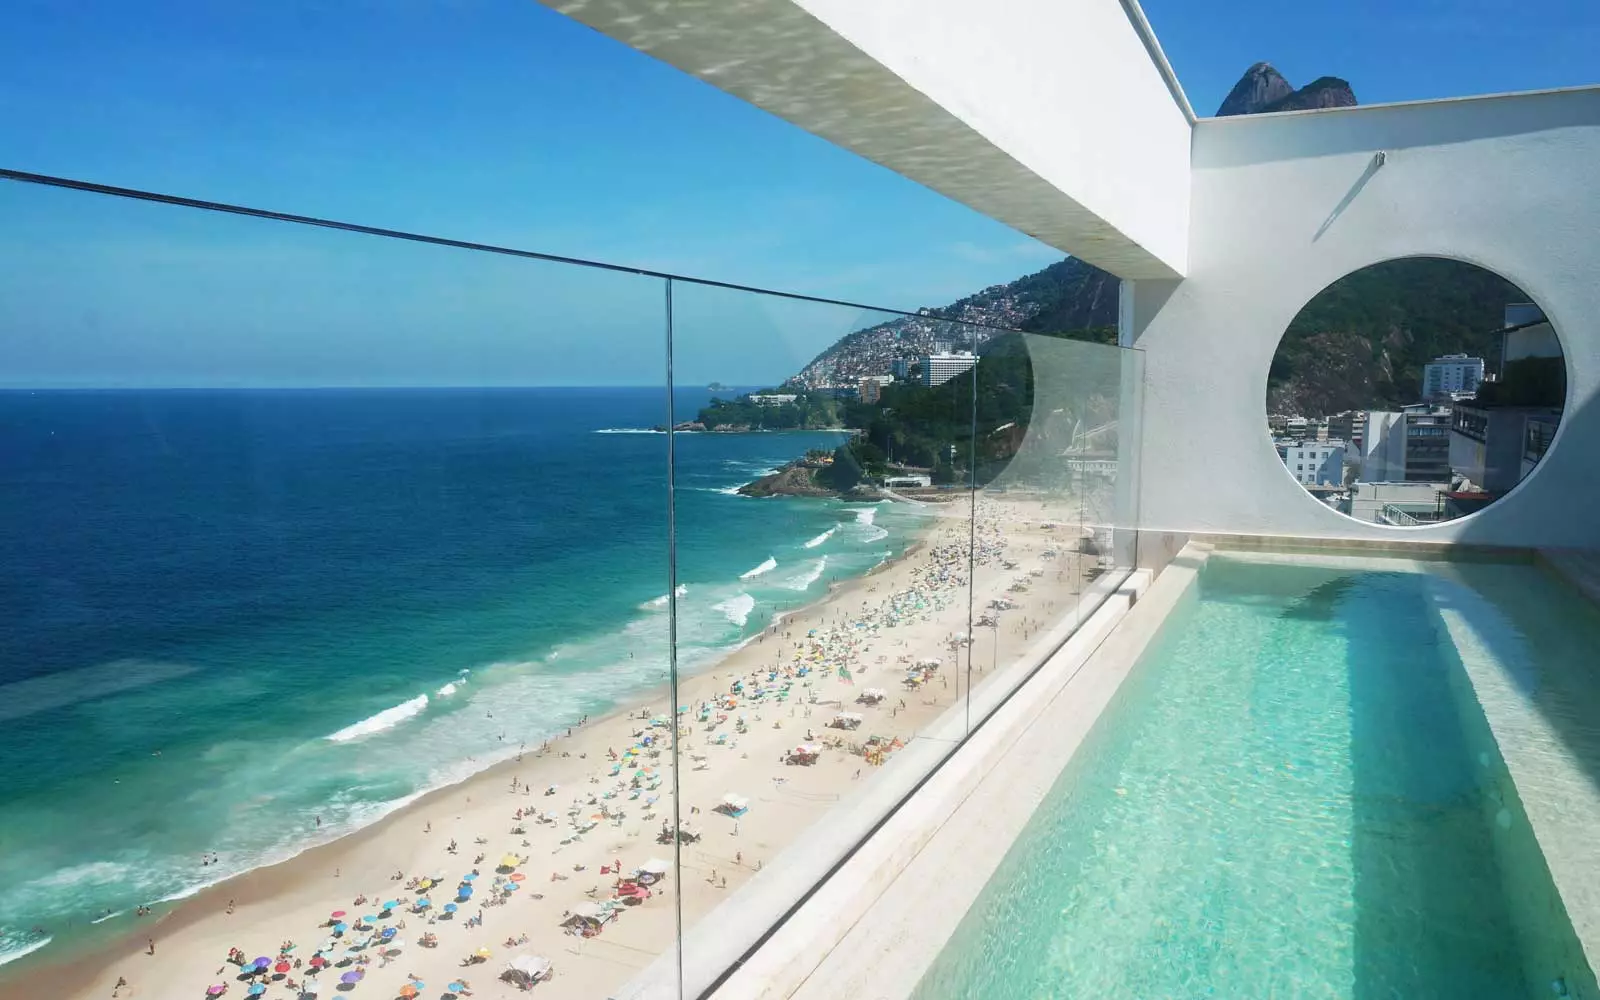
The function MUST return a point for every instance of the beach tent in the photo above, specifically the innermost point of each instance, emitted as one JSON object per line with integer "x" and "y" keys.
{"x": 653, "y": 871}
{"x": 846, "y": 720}
{"x": 733, "y": 805}
{"x": 871, "y": 696}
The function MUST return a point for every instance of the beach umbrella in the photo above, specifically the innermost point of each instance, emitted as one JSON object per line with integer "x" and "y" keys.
{"x": 256, "y": 990}
{"x": 336, "y": 914}
{"x": 470, "y": 877}
{"x": 466, "y": 892}
{"x": 408, "y": 991}
{"x": 369, "y": 920}
{"x": 317, "y": 961}
{"x": 216, "y": 990}
{"x": 340, "y": 928}
{"x": 449, "y": 907}
{"x": 282, "y": 967}
{"x": 517, "y": 876}
{"x": 353, "y": 976}
{"x": 510, "y": 861}
{"x": 391, "y": 904}
{"x": 423, "y": 903}
{"x": 262, "y": 962}
{"x": 426, "y": 883}
{"x": 389, "y": 932}
{"x": 512, "y": 886}
{"x": 456, "y": 987}
{"x": 483, "y": 953}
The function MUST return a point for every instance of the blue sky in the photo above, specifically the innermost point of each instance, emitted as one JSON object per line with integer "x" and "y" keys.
{"x": 502, "y": 122}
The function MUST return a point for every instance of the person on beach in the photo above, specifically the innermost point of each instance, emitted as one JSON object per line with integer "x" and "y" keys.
{"x": 151, "y": 948}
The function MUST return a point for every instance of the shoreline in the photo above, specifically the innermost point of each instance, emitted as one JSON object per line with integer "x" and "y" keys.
{"x": 281, "y": 900}
{"x": 73, "y": 969}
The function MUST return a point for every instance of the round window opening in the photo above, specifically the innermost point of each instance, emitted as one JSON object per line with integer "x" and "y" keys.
{"x": 1415, "y": 391}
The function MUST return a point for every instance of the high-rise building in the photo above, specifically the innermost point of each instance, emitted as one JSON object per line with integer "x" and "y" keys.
{"x": 1451, "y": 375}
{"x": 1427, "y": 444}
{"x": 1314, "y": 463}
{"x": 938, "y": 369}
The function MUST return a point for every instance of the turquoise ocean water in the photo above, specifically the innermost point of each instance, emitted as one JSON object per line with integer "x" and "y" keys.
{"x": 1295, "y": 794}
{"x": 228, "y": 613}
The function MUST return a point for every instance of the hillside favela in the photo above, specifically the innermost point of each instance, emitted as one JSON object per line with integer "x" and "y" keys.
{"x": 466, "y": 532}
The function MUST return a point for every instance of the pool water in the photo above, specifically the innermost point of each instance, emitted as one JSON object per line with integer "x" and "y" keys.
{"x": 1295, "y": 794}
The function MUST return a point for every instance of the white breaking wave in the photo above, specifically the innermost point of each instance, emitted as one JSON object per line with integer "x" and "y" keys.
{"x": 874, "y": 534}
{"x": 801, "y": 581}
{"x": 27, "y": 949}
{"x": 447, "y": 690}
{"x": 386, "y": 719}
{"x": 866, "y": 515}
{"x": 737, "y": 609}
{"x": 766, "y": 567}
{"x": 821, "y": 538}
{"x": 661, "y": 602}
{"x": 628, "y": 430}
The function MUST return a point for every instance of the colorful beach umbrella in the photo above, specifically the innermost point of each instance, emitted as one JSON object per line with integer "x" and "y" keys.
{"x": 256, "y": 990}
{"x": 317, "y": 962}
{"x": 340, "y": 928}
{"x": 408, "y": 991}
{"x": 353, "y": 976}
{"x": 449, "y": 907}
{"x": 510, "y": 861}
{"x": 517, "y": 876}
{"x": 336, "y": 914}
{"x": 456, "y": 987}
{"x": 216, "y": 990}
{"x": 262, "y": 962}
{"x": 470, "y": 877}
{"x": 466, "y": 892}
{"x": 282, "y": 967}
{"x": 423, "y": 903}
{"x": 389, "y": 932}
{"x": 391, "y": 904}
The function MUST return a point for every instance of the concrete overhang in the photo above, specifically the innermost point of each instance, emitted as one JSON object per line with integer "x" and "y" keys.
{"x": 1060, "y": 120}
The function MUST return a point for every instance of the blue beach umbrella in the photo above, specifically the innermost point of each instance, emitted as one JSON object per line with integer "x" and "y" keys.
{"x": 389, "y": 932}
{"x": 456, "y": 987}
{"x": 391, "y": 904}
{"x": 340, "y": 928}
{"x": 470, "y": 877}
{"x": 423, "y": 903}
{"x": 466, "y": 892}
{"x": 513, "y": 886}
{"x": 256, "y": 990}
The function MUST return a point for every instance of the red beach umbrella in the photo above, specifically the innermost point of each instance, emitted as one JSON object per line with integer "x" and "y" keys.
{"x": 282, "y": 967}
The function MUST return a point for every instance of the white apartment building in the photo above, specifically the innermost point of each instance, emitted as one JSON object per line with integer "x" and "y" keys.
{"x": 772, "y": 398}
{"x": 1451, "y": 374}
{"x": 1314, "y": 463}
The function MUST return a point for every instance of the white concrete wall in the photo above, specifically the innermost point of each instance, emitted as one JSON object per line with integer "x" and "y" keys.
{"x": 1284, "y": 205}
{"x": 1065, "y": 88}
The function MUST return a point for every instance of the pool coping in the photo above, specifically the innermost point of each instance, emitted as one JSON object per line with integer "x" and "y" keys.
{"x": 874, "y": 928}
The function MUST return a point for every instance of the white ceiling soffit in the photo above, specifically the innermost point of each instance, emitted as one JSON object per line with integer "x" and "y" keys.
{"x": 777, "y": 56}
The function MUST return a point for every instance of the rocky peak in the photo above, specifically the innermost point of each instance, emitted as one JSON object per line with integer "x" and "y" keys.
{"x": 1323, "y": 92}
{"x": 1260, "y": 87}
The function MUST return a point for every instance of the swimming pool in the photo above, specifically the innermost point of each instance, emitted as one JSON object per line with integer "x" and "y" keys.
{"x": 1296, "y": 793}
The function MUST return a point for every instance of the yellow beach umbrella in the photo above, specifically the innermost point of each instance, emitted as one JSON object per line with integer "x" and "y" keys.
{"x": 510, "y": 861}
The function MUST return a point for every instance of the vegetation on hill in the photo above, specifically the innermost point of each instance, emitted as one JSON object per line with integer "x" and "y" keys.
{"x": 809, "y": 411}
{"x": 1362, "y": 342}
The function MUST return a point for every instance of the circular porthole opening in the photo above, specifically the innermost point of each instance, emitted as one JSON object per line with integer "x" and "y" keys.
{"x": 1415, "y": 391}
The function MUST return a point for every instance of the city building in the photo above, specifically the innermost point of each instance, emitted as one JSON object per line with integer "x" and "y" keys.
{"x": 932, "y": 369}
{"x": 1314, "y": 463}
{"x": 772, "y": 398}
{"x": 1451, "y": 376}
{"x": 870, "y": 387}
{"x": 1527, "y": 334}
{"x": 1401, "y": 505}
{"x": 1427, "y": 444}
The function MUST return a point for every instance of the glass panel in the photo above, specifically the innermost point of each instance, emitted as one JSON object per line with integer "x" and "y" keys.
{"x": 811, "y": 590}
{"x": 305, "y": 532}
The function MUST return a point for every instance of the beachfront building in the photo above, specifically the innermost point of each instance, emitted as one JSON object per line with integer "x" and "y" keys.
{"x": 1065, "y": 121}
{"x": 1314, "y": 463}
{"x": 1130, "y": 721}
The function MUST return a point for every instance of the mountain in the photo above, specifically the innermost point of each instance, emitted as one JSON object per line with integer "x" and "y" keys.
{"x": 1068, "y": 298}
{"x": 1263, "y": 90}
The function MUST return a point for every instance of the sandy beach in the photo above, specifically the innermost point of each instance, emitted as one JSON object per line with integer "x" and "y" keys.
{"x": 572, "y": 812}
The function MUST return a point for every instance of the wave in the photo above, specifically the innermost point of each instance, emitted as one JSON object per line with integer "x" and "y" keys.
{"x": 108, "y": 916}
{"x": 386, "y": 719}
{"x": 821, "y": 538}
{"x": 447, "y": 690}
{"x": 866, "y": 515}
{"x": 13, "y": 954}
{"x": 661, "y": 602}
{"x": 874, "y": 534}
{"x": 737, "y": 609}
{"x": 631, "y": 430}
{"x": 801, "y": 581}
{"x": 766, "y": 567}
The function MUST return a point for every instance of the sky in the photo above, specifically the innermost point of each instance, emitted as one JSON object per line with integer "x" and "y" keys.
{"x": 500, "y": 121}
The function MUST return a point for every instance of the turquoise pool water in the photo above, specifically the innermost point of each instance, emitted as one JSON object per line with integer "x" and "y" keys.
{"x": 1295, "y": 794}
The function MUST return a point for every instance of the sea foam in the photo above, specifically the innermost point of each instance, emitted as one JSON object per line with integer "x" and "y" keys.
{"x": 802, "y": 580}
{"x": 661, "y": 602}
{"x": 737, "y": 609}
{"x": 821, "y": 538}
{"x": 386, "y": 719}
{"x": 866, "y": 515}
{"x": 12, "y": 954}
{"x": 766, "y": 567}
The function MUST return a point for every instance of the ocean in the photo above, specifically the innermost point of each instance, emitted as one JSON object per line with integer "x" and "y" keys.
{"x": 227, "y": 613}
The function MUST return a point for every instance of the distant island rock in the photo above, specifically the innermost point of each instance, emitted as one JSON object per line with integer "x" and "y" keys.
{"x": 1263, "y": 90}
